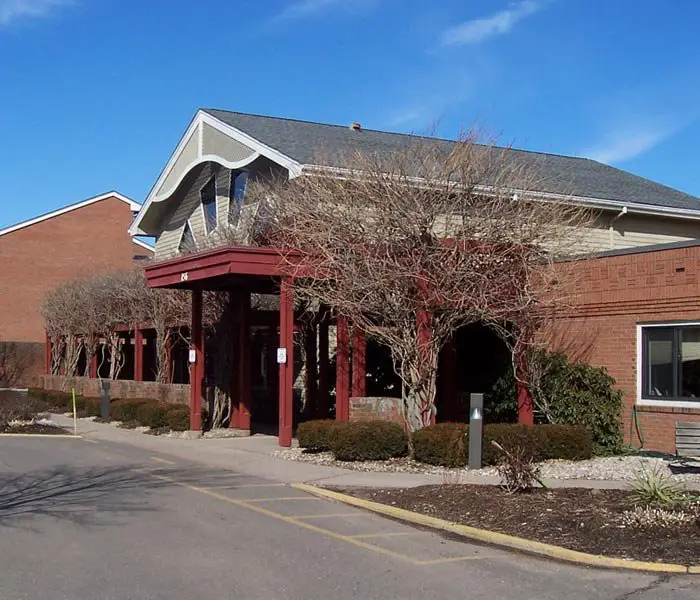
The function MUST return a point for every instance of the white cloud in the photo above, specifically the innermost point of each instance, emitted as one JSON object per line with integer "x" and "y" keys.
{"x": 500, "y": 23}
{"x": 13, "y": 10}
{"x": 627, "y": 143}
{"x": 303, "y": 9}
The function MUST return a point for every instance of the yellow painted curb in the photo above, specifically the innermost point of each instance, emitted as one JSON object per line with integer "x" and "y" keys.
{"x": 498, "y": 539}
{"x": 43, "y": 435}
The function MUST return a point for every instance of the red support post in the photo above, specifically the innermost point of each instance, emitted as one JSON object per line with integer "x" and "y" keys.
{"x": 359, "y": 363}
{"x": 138, "y": 354}
{"x": 311, "y": 372}
{"x": 243, "y": 357}
{"x": 196, "y": 367}
{"x": 526, "y": 411}
{"x": 92, "y": 368}
{"x": 286, "y": 367}
{"x": 342, "y": 371}
{"x": 424, "y": 335}
{"x": 167, "y": 367}
{"x": 47, "y": 355}
{"x": 323, "y": 368}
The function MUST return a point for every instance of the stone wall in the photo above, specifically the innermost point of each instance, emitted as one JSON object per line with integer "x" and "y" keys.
{"x": 369, "y": 409}
{"x": 173, "y": 393}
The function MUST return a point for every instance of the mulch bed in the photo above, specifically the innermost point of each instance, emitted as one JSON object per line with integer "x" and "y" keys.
{"x": 579, "y": 519}
{"x": 34, "y": 428}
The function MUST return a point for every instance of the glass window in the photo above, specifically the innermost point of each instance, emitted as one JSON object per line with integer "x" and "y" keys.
{"x": 239, "y": 180}
{"x": 671, "y": 357}
{"x": 187, "y": 243}
{"x": 208, "y": 196}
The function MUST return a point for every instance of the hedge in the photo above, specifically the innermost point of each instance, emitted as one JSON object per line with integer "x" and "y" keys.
{"x": 153, "y": 414}
{"x": 125, "y": 410}
{"x": 369, "y": 440}
{"x": 447, "y": 444}
{"x": 316, "y": 436}
{"x": 178, "y": 417}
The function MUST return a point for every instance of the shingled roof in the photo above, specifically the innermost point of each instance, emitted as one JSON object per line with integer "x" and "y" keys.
{"x": 305, "y": 141}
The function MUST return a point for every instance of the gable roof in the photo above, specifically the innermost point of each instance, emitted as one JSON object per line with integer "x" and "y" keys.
{"x": 133, "y": 205}
{"x": 305, "y": 141}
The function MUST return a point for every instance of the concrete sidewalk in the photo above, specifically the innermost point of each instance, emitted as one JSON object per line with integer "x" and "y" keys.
{"x": 253, "y": 456}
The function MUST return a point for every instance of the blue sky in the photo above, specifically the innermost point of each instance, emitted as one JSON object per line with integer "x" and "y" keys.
{"x": 94, "y": 94}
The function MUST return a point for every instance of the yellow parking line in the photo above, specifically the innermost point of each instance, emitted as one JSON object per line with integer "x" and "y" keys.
{"x": 330, "y": 516}
{"x": 392, "y": 534}
{"x": 452, "y": 559}
{"x": 280, "y": 517}
{"x": 281, "y": 498}
{"x": 246, "y": 485}
{"x": 162, "y": 460}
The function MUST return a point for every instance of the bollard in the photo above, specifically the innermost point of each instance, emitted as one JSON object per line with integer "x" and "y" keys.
{"x": 476, "y": 429}
{"x": 104, "y": 399}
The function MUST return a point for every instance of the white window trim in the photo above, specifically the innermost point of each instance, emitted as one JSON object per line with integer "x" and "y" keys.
{"x": 182, "y": 235}
{"x": 235, "y": 173}
{"x": 640, "y": 367}
{"x": 216, "y": 206}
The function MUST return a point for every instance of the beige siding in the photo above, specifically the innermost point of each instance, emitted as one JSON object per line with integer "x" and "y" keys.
{"x": 215, "y": 142}
{"x": 190, "y": 152}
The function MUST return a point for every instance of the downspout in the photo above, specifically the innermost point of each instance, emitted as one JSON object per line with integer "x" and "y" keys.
{"x": 622, "y": 213}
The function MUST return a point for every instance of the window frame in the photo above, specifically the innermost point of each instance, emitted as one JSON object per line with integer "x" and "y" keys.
{"x": 231, "y": 198}
{"x": 207, "y": 231}
{"x": 673, "y": 402}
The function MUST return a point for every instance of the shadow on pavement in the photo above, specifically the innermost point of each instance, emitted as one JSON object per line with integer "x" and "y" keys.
{"x": 87, "y": 495}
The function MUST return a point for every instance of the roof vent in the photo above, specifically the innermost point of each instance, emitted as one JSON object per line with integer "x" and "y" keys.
{"x": 355, "y": 126}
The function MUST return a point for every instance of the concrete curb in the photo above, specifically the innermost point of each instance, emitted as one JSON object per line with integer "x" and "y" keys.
{"x": 500, "y": 539}
{"x": 60, "y": 436}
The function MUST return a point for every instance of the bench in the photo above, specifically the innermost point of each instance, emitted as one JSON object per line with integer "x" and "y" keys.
{"x": 688, "y": 439}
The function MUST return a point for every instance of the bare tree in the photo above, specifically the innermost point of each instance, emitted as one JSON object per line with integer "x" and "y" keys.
{"x": 412, "y": 245}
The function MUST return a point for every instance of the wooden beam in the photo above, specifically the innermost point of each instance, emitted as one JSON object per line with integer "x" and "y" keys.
{"x": 286, "y": 368}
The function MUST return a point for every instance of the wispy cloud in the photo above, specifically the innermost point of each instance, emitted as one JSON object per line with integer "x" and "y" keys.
{"x": 15, "y": 10}
{"x": 480, "y": 30}
{"x": 306, "y": 9}
{"x": 627, "y": 143}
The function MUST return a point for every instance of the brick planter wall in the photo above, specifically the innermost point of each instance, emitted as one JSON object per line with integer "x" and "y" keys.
{"x": 369, "y": 409}
{"x": 172, "y": 393}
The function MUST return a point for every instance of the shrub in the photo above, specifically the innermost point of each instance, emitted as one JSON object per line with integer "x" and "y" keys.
{"x": 152, "y": 414}
{"x": 178, "y": 418}
{"x": 125, "y": 410}
{"x": 38, "y": 393}
{"x": 653, "y": 487}
{"x": 369, "y": 440}
{"x": 59, "y": 401}
{"x": 570, "y": 394}
{"x": 19, "y": 408}
{"x": 91, "y": 407}
{"x": 444, "y": 444}
{"x": 517, "y": 468}
{"x": 316, "y": 436}
{"x": 447, "y": 444}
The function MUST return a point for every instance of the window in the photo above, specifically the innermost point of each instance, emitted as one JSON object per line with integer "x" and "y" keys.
{"x": 187, "y": 243}
{"x": 671, "y": 363}
{"x": 239, "y": 180}
{"x": 208, "y": 196}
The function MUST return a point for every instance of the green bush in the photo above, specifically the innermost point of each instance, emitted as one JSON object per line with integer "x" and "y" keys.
{"x": 178, "y": 418}
{"x": 369, "y": 440}
{"x": 575, "y": 394}
{"x": 59, "y": 401}
{"x": 125, "y": 410}
{"x": 444, "y": 444}
{"x": 152, "y": 414}
{"x": 91, "y": 407}
{"x": 447, "y": 444}
{"x": 38, "y": 393}
{"x": 316, "y": 436}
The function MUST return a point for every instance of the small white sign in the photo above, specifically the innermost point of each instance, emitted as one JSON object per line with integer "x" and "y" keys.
{"x": 184, "y": 276}
{"x": 281, "y": 356}
{"x": 193, "y": 355}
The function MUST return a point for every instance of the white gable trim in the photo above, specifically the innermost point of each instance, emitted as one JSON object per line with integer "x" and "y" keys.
{"x": 133, "y": 205}
{"x": 195, "y": 128}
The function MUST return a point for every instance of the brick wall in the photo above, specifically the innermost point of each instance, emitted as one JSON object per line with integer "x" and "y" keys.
{"x": 35, "y": 259}
{"x": 614, "y": 294}
{"x": 173, "y": 393}
{"x": 369, "y": 409}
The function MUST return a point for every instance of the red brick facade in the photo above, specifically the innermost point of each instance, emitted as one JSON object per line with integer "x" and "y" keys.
{"x": 613, "y": 295}
{"x": 35, "y": 259}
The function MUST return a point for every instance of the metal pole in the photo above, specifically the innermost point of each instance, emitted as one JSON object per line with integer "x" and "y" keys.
{"x": 476, "y": 429}
{"x": 104, "y": 399}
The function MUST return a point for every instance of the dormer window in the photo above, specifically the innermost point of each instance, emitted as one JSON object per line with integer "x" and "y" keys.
{"x": 187, "y": 243}
{"x": 239, "y": 180}
{"x": 208, "y": 196}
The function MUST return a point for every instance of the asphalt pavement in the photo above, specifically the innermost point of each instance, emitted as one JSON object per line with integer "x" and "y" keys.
{"x": 84, "y": 518}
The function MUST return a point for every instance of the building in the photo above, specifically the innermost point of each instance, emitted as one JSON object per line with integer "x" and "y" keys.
{"x": 80, "y": 239}
{"x": 642, "y": 230}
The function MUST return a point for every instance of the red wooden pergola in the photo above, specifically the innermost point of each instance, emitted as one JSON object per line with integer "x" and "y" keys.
{"x": 244, "y": 271}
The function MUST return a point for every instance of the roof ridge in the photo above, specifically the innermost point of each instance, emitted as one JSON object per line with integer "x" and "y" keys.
{"x": 384, "y": 131}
